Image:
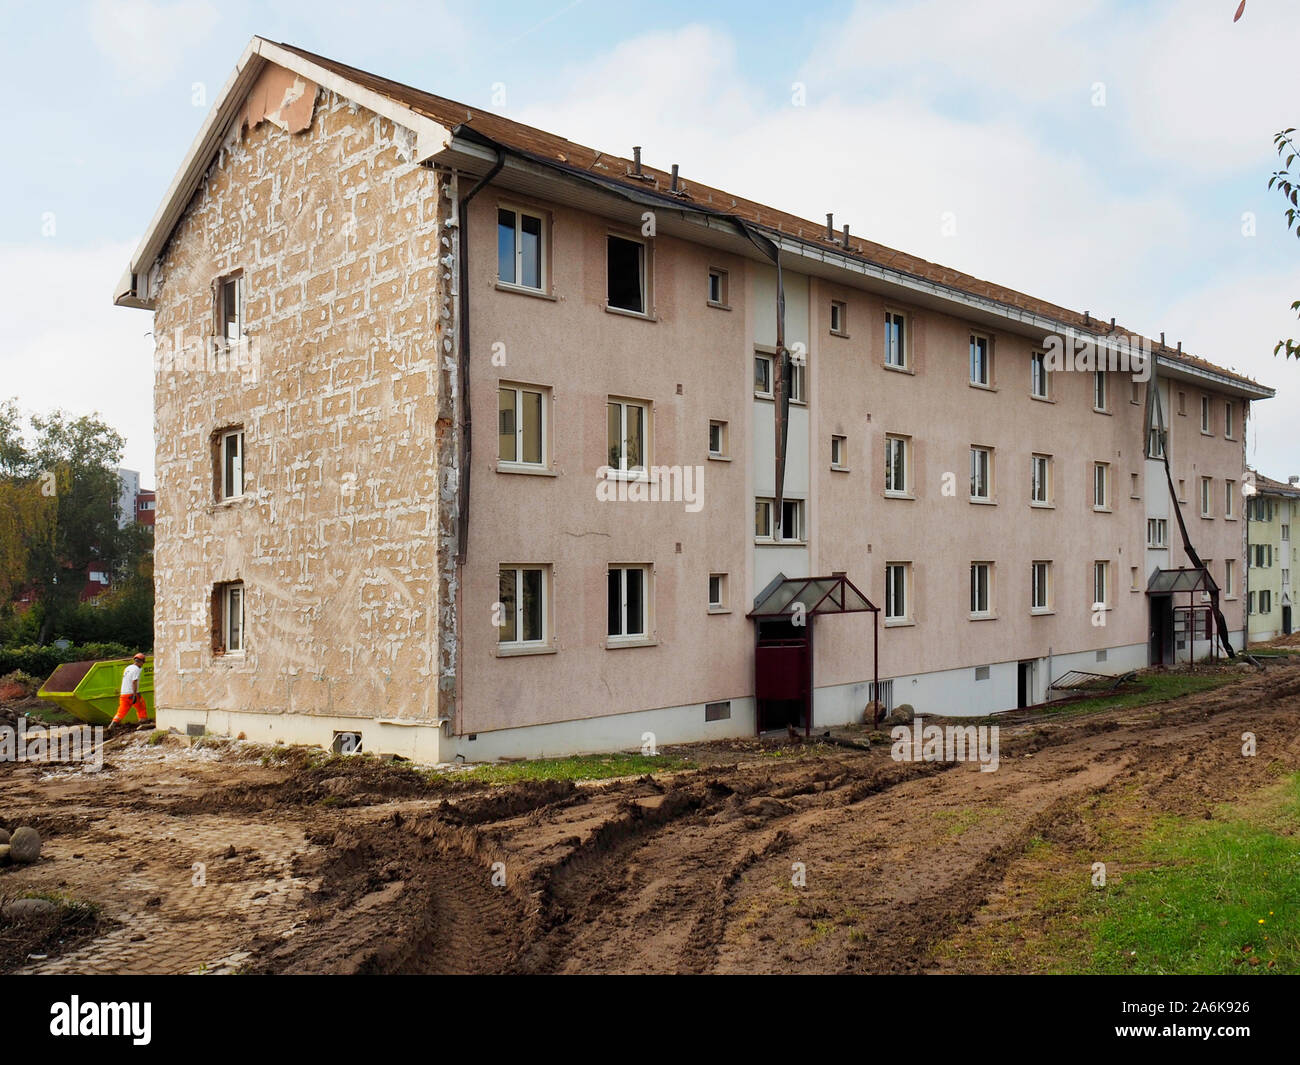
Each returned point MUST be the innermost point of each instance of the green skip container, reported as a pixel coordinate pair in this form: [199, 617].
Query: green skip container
[89, 690]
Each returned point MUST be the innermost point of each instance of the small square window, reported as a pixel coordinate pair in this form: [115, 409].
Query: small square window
[718, 288]
[717, 439]
[717, 591]
[837, 452]
[839, 320]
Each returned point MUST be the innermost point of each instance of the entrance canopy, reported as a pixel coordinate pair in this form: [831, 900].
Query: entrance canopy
[817, 595]
[1169, 581]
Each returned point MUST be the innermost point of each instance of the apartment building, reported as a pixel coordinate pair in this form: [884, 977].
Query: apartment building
[744, 465]
[1272, 510]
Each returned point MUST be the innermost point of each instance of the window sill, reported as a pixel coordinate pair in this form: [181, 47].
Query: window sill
[719, 458]
[718, 306]
[899, 623]
[1206, 432]
[769, 542]
[229, 656]
[226, 504]
[838, 333]
[524, 290]
[612, 474]
[526, 470]
[523, 651]
[982, 617]
[981, 387]
[898, 495]
[1157, 547]
[899, 369]
[618, 644]
[1042, 506]
[764, 395]
[719, 610]
[1041, 612]
[1230, 517]
[1041, 399]
[622, 312]
[839, 469]
[1101, 410]
[983, 502]
[1102, 510]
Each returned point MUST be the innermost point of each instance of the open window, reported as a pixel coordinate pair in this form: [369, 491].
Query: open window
[228, 471]
[228, 618]
[627, 276]
[230, 309]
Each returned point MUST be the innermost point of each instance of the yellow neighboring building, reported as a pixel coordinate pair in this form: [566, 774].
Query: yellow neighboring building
[1270, 557]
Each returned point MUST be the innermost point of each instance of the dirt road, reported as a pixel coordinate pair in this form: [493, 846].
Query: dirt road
[354, 866]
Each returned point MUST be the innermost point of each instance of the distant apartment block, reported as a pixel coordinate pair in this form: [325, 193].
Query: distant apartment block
[1271, 556]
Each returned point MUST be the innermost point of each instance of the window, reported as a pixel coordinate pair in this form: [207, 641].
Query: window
[1230, 490]
[981, 465]
[522, 606]
[1265, 601]
[718, 288]
[1100, 584]
[1227, 419]
[1182, 403]
[521, 429]
[837, 452]
[896, 471]
[763, 375]
[1040, 587]
[626, 434]
[763, 518]
[1133, 486]
[1286, 577]
[1229, 573]
[230, 464]
[792, 520]
[230, 309]
[98, 576]
[1135, 393]
[717, 591]
[1157, 532]
[1038, 375]
[1286, 530]
[1205, 414]
[796, 381]
[1100, 485]
[897, 580]
[228, 618]
[895, 340]
[717, 439]
[838, 318]
[980, 360]
[1133, 579]
[1250, 599]
[1040, 479]
[626, 271]
[519, 248]
[980, 577]
[1182, 490]
[1205, 497]
[1100, 393]
[1155, 443]
[627, 601]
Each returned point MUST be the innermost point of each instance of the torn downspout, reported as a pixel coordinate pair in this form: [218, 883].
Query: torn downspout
[466, 421]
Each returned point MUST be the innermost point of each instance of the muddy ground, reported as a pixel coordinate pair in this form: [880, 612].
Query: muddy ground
[229, 858]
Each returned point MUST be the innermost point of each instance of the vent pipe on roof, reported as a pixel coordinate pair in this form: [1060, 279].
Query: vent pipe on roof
[830, 226]
[1293, 479]
[846, 236]
[1180, 347]
[1087, 318]
[1162, 338]
[674, 177]
[1112, 322]
[636, 160]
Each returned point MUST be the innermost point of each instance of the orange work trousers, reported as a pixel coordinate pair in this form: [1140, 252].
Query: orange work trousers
[124, 704]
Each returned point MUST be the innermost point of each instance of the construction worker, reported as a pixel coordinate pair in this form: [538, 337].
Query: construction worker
[130, 693]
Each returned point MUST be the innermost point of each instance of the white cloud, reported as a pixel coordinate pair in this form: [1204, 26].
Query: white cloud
[147, 42]
[76, 351]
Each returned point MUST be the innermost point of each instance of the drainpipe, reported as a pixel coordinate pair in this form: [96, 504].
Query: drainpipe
[466, 421]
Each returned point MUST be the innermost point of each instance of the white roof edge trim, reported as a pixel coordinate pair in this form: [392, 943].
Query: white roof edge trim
[431, 137]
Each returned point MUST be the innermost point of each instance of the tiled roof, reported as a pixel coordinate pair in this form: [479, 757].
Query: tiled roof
[617, 169]
[1267, 484]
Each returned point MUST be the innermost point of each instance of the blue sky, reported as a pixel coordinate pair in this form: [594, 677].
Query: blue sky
[1102, 155]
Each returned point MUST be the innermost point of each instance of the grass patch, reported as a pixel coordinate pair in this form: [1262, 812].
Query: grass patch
[1182, 896]
[51, 714]
[578, 767]
[1151, 688]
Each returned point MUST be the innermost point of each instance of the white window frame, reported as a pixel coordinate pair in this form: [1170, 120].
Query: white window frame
[1100, 392]
[718, 605]
[986, 363]
[237, 480]
[223, 325]
[770, 362]
[1207, 497]
[904, 576]
[1157, 533]
[1228, 575]
[987, 472]
[518, 391]
[230, 645]
[543, 241]
[1101, 486]
[624, 637]
[1230, 490]
[797, 509]
[519, 643]
[839, 318]
[903, 446]
[1040, 587]
[1045, 482]
[1101, 580]
[764, 530]
[838, 445]
[625, 404]
[981, 590]
[643, 269]
[1039, 375]
[1227, 419]
[722, 297]
[897, 324]
[721, 451]
[1205, 416]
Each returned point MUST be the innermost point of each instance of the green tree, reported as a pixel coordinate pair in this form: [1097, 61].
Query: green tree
[1287, 181]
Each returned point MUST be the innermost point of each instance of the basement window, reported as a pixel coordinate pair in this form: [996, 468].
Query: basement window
[228, 618]
[626, 271]
[717, 711]
[520, 242]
